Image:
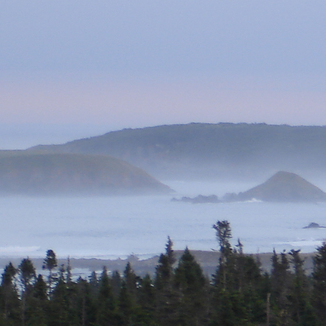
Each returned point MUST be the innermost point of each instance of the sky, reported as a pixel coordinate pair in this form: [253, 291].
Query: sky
[77, 68]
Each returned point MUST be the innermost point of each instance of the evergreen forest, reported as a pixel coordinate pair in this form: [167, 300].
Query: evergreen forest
[239, 293]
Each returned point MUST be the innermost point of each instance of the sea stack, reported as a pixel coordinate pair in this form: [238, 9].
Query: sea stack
[285, 187]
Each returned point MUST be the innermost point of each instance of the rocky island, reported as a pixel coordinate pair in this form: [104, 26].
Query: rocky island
[200, 199]
[285, 187]
[281, 187]
[314, 225]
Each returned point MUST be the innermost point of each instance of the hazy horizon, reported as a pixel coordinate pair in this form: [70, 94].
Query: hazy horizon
[78, 69]
[24, 136]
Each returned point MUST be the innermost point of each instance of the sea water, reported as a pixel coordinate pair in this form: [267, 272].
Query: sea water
[112, 227]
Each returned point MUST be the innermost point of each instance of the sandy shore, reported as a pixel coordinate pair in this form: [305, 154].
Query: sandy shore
[207, 259]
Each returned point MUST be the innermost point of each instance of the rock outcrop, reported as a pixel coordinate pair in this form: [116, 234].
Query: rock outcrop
[200, 199]
[314, 225]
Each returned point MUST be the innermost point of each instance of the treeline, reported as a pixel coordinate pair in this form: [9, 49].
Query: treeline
[178, 294]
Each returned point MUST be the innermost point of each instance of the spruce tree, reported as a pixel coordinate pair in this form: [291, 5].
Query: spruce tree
[193, 288]
[84, 304]
[50, 263]
[248, 284]
[166, 296]
[299, 295]
[59, 304]
[131, 281]
[146, 299]
[126, 305]
[319, 283]
[27, 275]
[106, 304]
[164, 269]
[281, 280]
[236, 298]
[223, 236]
[129, 307]
[10, 303]
[37, 314]
[93, 285]
[116, 283]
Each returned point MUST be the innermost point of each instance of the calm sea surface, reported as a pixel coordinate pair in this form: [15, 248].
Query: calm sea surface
[111, 227]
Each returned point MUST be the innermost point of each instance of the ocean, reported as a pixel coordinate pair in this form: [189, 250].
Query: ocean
[113, 227]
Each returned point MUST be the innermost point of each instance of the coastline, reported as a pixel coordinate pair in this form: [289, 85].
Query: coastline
[207, 259]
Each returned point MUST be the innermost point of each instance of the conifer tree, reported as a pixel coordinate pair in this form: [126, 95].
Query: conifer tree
[59, 303]
[39, 291]
[131, 281]
[164, 269]
[223, 236]
[222, 306]
[236, 297]
[10, 303]
[248, 286]
[27, 275]
[68, 271]
[166, 296]
[63, 308]
[130, 310]
[146, 299]
[85, 304]
[50, 263]
[193, 287]
[106, 304]
[116, 283]
[319, 283]
[170, 252]
[37, 314]
[93, 285]
[299, 290]
[281, 279]
[126, 305]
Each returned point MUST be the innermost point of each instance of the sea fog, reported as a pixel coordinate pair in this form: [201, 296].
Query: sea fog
[113, 227]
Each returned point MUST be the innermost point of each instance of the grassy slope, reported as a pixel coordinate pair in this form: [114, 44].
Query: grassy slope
[211, 149]
[45, 173]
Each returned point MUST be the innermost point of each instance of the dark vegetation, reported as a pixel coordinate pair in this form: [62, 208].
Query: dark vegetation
[238, 293]
[32, 173]
[222, 151]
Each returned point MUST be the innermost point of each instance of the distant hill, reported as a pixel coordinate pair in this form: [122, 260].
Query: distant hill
[31, 173]
[223, 150]
[285, 187]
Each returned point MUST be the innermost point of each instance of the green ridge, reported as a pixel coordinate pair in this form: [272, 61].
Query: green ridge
[34, 173]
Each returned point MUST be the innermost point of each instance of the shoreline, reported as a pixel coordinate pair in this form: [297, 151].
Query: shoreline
[207, 259]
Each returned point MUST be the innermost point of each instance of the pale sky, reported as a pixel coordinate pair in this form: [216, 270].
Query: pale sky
[77, 68]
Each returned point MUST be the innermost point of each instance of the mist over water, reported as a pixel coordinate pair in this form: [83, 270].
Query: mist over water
[112, 227]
